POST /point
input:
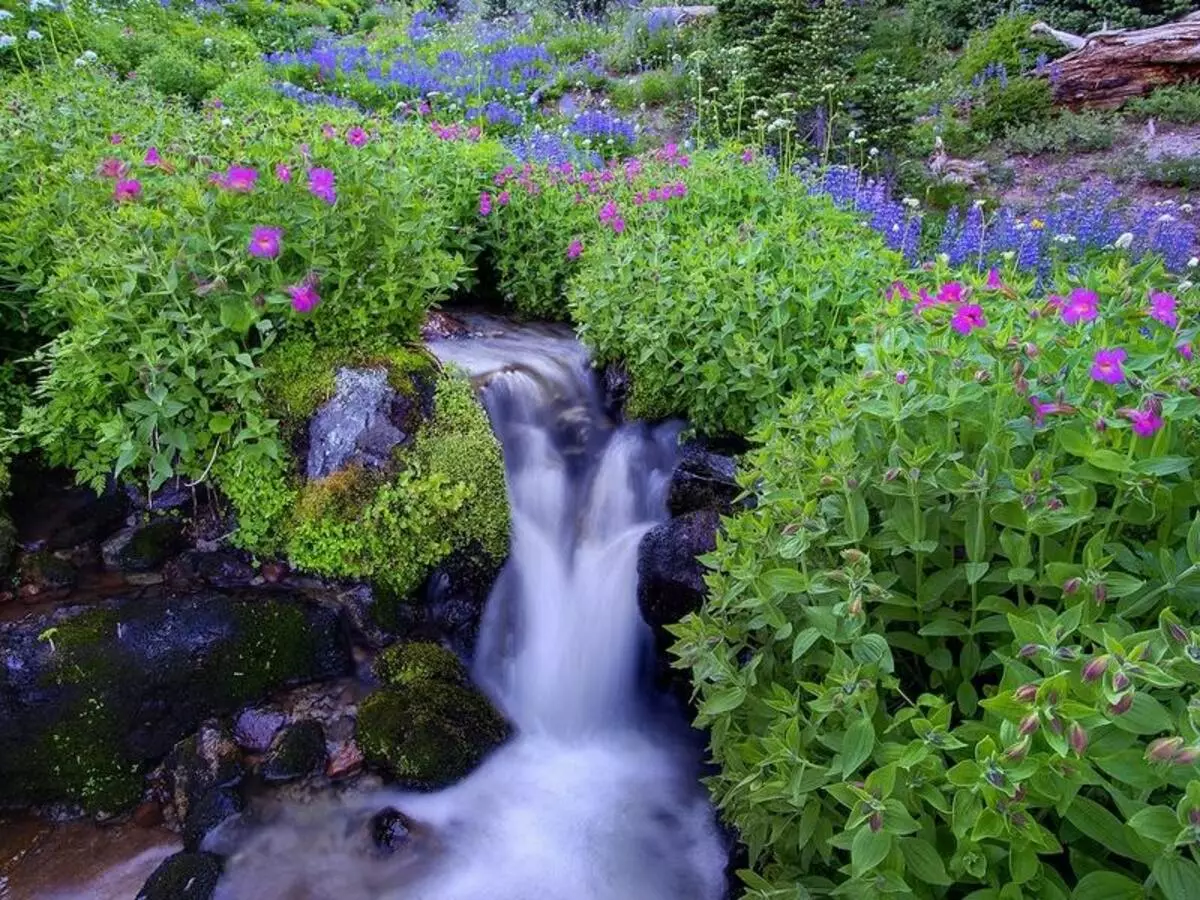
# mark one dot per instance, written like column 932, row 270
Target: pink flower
column 321, row 184
column 265, row 241
column 1106, row 365
column 1081, row 307
column 304, row 295
column 951, row 292
column 503, row 198
column 112, row 168
column 283, row 173
column 1145, row 421
column 679, row 189
column 1041, row 410
column 683, row 162
column 1162, row 308
column 1185, row 350
column 967, row 318
column 898, row 289
column 994, row 282
column 608, row 211
column 115, row 138
column 748, row 155
column 356, row 137
column 485, row 204
column 328, row 132
column 618, row 224
column 575, row 250
column 153, row 158
column 924, row 302
column 901, row 377
column 238, row 179
column 639, row 199
column 127, row 189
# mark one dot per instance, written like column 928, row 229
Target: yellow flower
column 1037, row 224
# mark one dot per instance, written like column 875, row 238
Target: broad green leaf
column 869, row 849
column 923, row 861
column 1179, row 878
column 1145, row 716
column 804, row 640
column 857, row 745
column 1102, row 827
column 1107, row 886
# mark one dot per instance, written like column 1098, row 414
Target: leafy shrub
column 1176, row 103
column 948, row 653
column 1176, row 171
column 1085, row 16
column 948, row 23
column 1069, row 132
column 1022, row 101
column 1007, row 43
column 176, row 73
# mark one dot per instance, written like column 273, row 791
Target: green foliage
column 1176, row 171
column 1085, row 16
column 263, row 494
column 1069, row 132
column 951, row 649
column 176, row 73
column 948, row 23
column 653, row 88
column 404, row 664
column 1008, row 43
column 1177, row 103
column 1022, row 102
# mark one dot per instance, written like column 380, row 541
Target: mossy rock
column 183, row 876
column 298, row 750
column 405, row 664
column 428, row 733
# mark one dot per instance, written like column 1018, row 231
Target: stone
column 615, row 384
column 212, row 809
column 183, row 876
column 145, row 547
column 208, row 759
column 42, row 573
column 91, row 695
column 670, row 577
column 361, row 423
column 346, row 760
column 225, row 569
column 298, row 750
column 255, row 728
column 149, row 814
column 8, row 541
column 703, row 480
column 390, row 830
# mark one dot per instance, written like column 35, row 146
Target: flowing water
column 597, row 797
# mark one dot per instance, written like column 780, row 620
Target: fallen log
column 1110, row 67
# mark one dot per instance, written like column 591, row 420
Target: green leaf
column 1162, row 465
column 1109, row 460
column 857, row 745
column 1179, row 878
column 923, row 861
column 1107, row 886
column 1157, row 824
column 1022, row 863
column 723, row 701
column 785, row 581
column 1074, row 442
column 803, row 642
column 1193, row 541
column 872, row 649
column 868, row 850
column 1145, row 716
column 1101, row 826
column 220, row 423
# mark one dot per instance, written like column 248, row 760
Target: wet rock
column 85, row 517
column 90, row 695
column 145, row 547
column 224, row 568
column 175, row 494
column 42, row 573
column 346, row 760
column 440, row 325
column 208, row 759
column 209, row 812
column 703, row 480
column 148, row 814
column 670, row 577
column 390, row 830
column 297, row 751
column 184, row 876
column 362, row 423
column 8, row 541
column 615, row 385
column 256, row 728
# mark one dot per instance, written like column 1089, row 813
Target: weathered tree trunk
column 1111, row 67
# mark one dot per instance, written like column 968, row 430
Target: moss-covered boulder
column 183, row 876
column 426, row 726
column 90, row 696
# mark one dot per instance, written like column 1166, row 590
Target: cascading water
column 597, row 796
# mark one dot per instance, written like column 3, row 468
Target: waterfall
column 597, row 796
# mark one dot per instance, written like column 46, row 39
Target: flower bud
column 875, row 822
column 1054, row 504
column 1101, row 425
column 1121, row 682
column 1018, row 751
column 856, row 607
column 1019, row 794
column 1187, row 757
column 1026, row 693
column 1122, row 705
column 891, row 474
column 853, row 555
column 1164, row 749
column 1100, row 593
column 1029, row 650
column 1066, row 654
column 852, row 482
column 1194, row 817
column 827, row 481
column 1029, row 724
column 1056, row 725
column 1095, row 669
column 1031, row 350
column 1072, row 585
column 996, row 777
column 1078, row 739
column 1178, row 632
column 1019, row 820
column 1022, row 386
column 1018, row 369
column 902, row 377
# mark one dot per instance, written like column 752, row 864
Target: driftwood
column 1109, row 67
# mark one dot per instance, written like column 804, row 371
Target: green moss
column 428, row 732
column 262, row 492
column 404, row 664
column 275, row 646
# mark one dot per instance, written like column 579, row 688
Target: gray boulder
column 362, row 423
column 670, row 577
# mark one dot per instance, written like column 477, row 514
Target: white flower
column 89, row 56
column 1186, row 207
column 1065, row 238
column 1193, row 262
column 873, row 152
column 5, row 15
column 1184, row 286
column 911, row 202
column 943, row 258
column 34, row 35
column 80, row 62
column 6, row 41
column 226, row 122
column 1124, row 242
column 208, row 42
column 1166, row 217
column 853, row 134
column 35, row 5
column 1009, row 255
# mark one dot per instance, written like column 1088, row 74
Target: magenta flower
column 898, row 289
column 575, row 250
column 503, row 198
column 608, row 211
column 356, row 137
column 304, row 295
column 901, row 377
column 1162, row 308
column 924, row 302
column 683, row 162
column 238, row 179
column 115, row 138
column 321, row 184
column 967, row 318
column 1146, row 422
column 1041, row 410
column 951, row 292
column 1080, row 307
column 618, row 224
column 127, row 189
column 112, row 168
column 485, row 204
column 679, row 189
column 265, row 242
column 748, row 155
column 283, row 173
column 328, row 131
column 1185, row 350
column 1106, row 365
column 153, row 158
column 639, row 199
column 994, row 281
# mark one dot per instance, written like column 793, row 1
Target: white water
column 597, row 796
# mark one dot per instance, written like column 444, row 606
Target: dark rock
column 256, row 728
column 390, row 830
column 207, row 760
column 273, row 571
column 670, row 577
column 58, row 517
column 703, row 480
column 615, row 384
column 362, row 423
column 8, row 541
column 298, row 750
column 175, row 494
column 184, row 876
column 225, row 569
column 90, row 695
column 43, row 573
column 212, row 809
column 344, row 761
column 148, row 814
column 146, row 547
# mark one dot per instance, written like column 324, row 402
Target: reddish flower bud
column 856, row 607
column 1122, row 705
column 1072, row 585
column 1026, row 693
column 1178, row 632
column 1101, row 425
column 1019, row 794
column 1187, row 757
column 875, row 822
column 1022, row 386
column 1194, row 817
column 1164, row 749
column 1019, row 820
column 1031, row 350
column 1095, row 669
column 1029, row 724
column 1066, row 654
column 1056, row 725
column 1017, row 751
column 1121, row 682
column 1100, row 593
column 1029, row 650
column 891, row 474
column 1078, row 739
